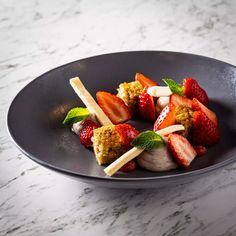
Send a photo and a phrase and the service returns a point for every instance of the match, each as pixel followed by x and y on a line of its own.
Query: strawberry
pixel 86 132
pixel 200 150
pixel 204 131
pixel 127 133
pixel 193 90
pixel 198 106
pixel 128 167
pixel 145 81
pixel 146 107
pixel 114 107
pixel 181 149
pixel 179 100
pixel 166 118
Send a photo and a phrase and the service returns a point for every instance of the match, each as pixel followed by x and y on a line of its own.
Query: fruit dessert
pixel 183 125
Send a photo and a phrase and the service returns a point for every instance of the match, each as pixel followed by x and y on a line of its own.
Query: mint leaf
pixel 174 87
pixel 148 140
pixel 76 114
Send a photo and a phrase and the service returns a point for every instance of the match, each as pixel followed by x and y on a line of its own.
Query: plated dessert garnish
pixel 183 125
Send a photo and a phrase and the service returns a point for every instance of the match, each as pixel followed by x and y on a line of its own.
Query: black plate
pixel 35 115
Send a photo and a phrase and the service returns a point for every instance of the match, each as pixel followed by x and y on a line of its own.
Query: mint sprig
pixel 174 87
pixel 148 140
pixel 76 114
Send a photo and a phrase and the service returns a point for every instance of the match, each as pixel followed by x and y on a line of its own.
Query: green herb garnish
pixel 76 114
pixel 174 87
pixel 148 140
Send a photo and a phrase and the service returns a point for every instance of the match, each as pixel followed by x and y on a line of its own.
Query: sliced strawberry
pixel 193 90
pixel 166 118
pixel 146 107
pixel 198 106
pixel 181 149
pixel 127 133
pixel 204 132
pixel 86 132
pixel 145 81
pixel 179 100
pixel 200 150
pixel 114 107
pixel 128 167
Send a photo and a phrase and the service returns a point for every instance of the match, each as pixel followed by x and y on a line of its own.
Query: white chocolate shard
pixel 163 101
pixel 170 129
pixel 159 91
pixel 122 160
pixel 89 101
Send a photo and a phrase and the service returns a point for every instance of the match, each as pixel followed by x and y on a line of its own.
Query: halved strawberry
pixel 198 106
pixel 193 90
pixel 86 132
pixel 146 107
pixel 181 149
pixel 200 150
pixel 166 118
pixel 127 133
pixel 204 132
pixel 114 107
pixel 145 81
pixel 179 100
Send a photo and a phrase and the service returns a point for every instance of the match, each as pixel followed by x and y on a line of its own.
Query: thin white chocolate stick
pixel 134 152
pixel 89 101
pixel 159 91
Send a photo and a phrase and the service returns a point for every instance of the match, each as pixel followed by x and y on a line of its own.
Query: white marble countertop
pixel 37 36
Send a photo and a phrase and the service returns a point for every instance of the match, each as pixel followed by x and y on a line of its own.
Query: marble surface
pixel 37 36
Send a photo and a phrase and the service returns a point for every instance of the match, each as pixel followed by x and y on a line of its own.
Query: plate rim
pixel 107 178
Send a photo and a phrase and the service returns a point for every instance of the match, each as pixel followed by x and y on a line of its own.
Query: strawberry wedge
pixel 181 149
pixel 198 106
pixel 114 107
pixel 127 133
pixel 204 132
pixel 146 106
pixel 179 100
pixel 145 81
pixel 166 118
pixel 193 90
pixel 86 132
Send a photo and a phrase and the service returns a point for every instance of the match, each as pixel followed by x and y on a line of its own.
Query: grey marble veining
pixel 36 36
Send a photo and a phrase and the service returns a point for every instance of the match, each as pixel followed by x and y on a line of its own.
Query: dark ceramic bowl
pixel 35 115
